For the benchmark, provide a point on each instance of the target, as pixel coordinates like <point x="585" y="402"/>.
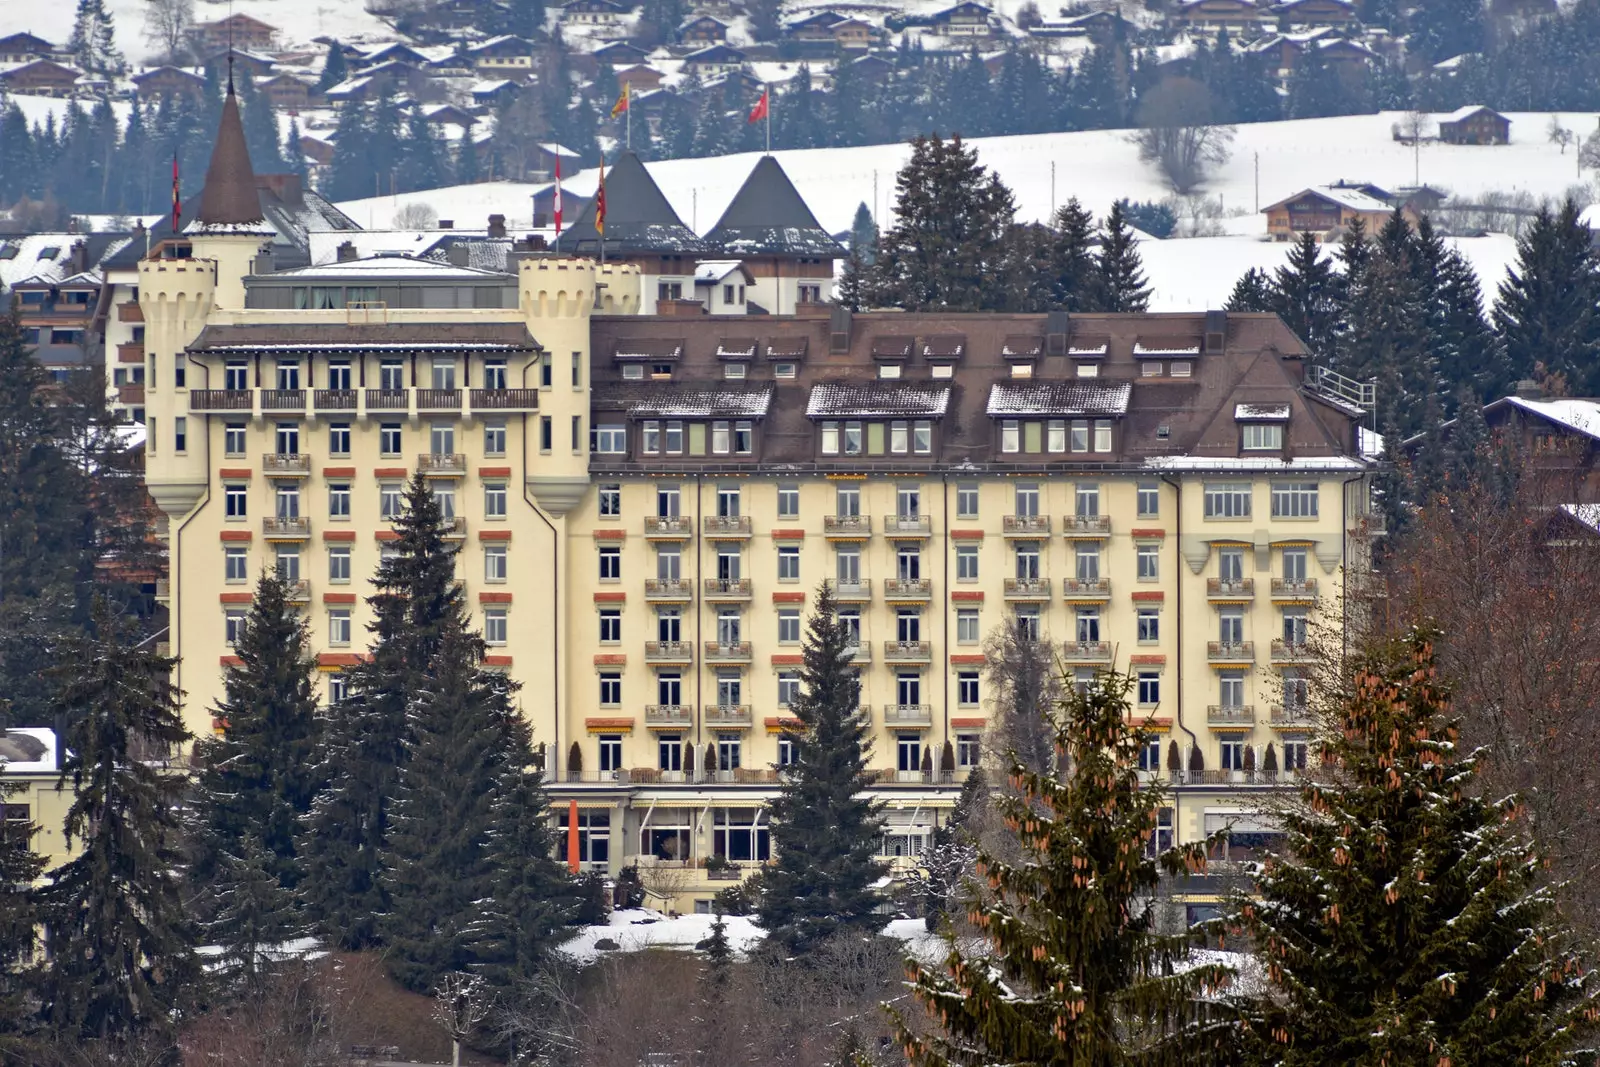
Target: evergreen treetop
<point x="1119" y="276"/>
<point x="1547" y="311"/>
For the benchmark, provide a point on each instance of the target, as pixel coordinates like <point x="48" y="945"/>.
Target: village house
<point x="364" y="58"/>
<point x="703" y="30"/>
<point x="41" y="77"/>
<point x="639" y="79"/>
<point x="606" y="13"/>
<point x="966" y="19"/>
<point x="506" y="56"/>
<point x="1221" y="14"/>
<point x="288" y="93"/>
<point x="496" y="93"/>
<point x="168" y="81"/>
<point x="1313" y="13"/>
<point x="25" y="48"/>
<point x="1475" y="125"/>
<point x="1325" y="211"/>
<point x="717" y="59"/>
<point x="619" y="54"/>
<point x="1098" y="26"/>
<point x="238" y="31"/>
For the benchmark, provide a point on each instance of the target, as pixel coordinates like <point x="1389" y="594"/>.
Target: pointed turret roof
<point x="768" y="218"/>
<point x="638" y="218"/>
<point x="229" y="200"/>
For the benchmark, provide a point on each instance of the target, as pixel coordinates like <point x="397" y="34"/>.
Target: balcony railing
<point x="731" y="652"/>
<point x="386" y="399"/>
<point x="298" y="591"/>
<point x="1231" y="651"/>
<point x="1025" y="525"/>
<point x="859" y="589"/>
<point x="1087" y="652"/>
<point x="1230" y="587"/>
<point x="668" y="715"/>
<point x="726" y="714"/>
<point x="1027" y="588"/>
<point x="283" y="400"/>
<point x="1292" y="715"/>
<point x="130" y="311"/>
<point x="334" y="399"/>
<point x="907" y="524"/>
<point x="668" y="526"/>
<point x="163" y="589"/>
<point x="847" y="524"/>
<point x="130" y="394"/>
<point x="668" y="588"/>
<point x="669" y="651"/>
<point x="861" y="653"/>
<point x="220" y="399"/>
<point x="453" y="529"/>
<point x="1099" y="588"/>
<point x="1092" y="525"/>
<point x="280" y="463"/>
<point x="1291" y="651"/>
<point x="505" y="400"/>
<point x="908" y="588"/>
<point x="446" y="463"/>
<point x="725" y="525"/>
<point x="907" y="652"/>
<point x="273" y="526"/>
<point x="728" y="588"/>
<point x="908" y="715"/>
<point x="1230" y="715"/>
<point x="1283" y="589"/>
<point x="130" y="352"/>
<point x="438" y="399"/>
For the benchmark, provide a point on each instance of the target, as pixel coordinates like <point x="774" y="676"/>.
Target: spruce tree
<point x="864" y="235"/>
<point x="255" y="917"/>
<point x="254" y="778"/>
<point x="1407" y="920"/>
<point x="1074" y="972"/>
<point x="1305" y="295"/>
<point x="334" y="68"/>
<point x="1071" y="278"/>
<point x="718" y="974"/>
<point x="1252" y="292"/>
<point x="824" y="829"/>
<point x="121" y="947"/>
<point x="949" y="859"/>
<point x="20" y="866"/>
<point x="1546" y="312"/>
<point x="1119" y="283"/>
<point x="852" y="283"/>
<point x="363" y="742"/>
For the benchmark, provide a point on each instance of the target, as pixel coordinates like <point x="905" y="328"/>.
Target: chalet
<point x="1221" y="14"/>
<point x="853" y="35"/>
<point x="1420" y="198"/>
<point x="1342" y="52"/>
<point x="285" y="92"/>
<point x="703" y="30"/>
<point x="726" y="10"/>
<point x="258" y="65"/>
<point x="1325" y="211"/>
<point x="594" y="13"/>
<point x="42" y="77"/>
<point x="24" y="48"/>
<point x="237" y="30"/>
<point x="1333" y="13"/>
<point x="717" y="59"/>
<point x="1475" y="125"/>
<point x="966" y="19"/>
<point x="874" y="69"/>
<point x="388" y="80"/>
<point x="387" y="53"/>
<point x="639" y="79"/>
<point x="620" y="54"/>
<point x="449" y="115"/>
<point x="722" y="286"/>
<point x="316" y="149"/>
<point x="745" y="83"/>
<point x="1558" y="437"/>
<point x="818" y="27"/>
<point x="168" y="81"/>
<point x="1285" y="49"/>
<point x="494" y="93"/>
<point x="506" y="56"/>
<point x="1096" y="25"/>
<point x="544" y="159"/>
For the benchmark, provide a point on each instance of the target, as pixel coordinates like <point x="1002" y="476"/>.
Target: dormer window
<point x="1263" y="437"/>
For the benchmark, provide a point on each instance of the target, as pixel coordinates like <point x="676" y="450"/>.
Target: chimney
<point x="679" y="309"/>
<point x="263" y="262"/>
<point x="455" y="253"/>
<point x="1528" y="389"/>
<point x="497" y="225"/>
<point x="447" y="224"/>
<point x="347" y="252"/>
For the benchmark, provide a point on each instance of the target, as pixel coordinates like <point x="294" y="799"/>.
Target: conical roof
<point x="768" y="218"/>
<point x="638" y="218"/>
<point x="229" y="199"/>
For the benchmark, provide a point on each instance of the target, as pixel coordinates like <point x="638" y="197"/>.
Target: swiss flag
<point x="759" y="112"/>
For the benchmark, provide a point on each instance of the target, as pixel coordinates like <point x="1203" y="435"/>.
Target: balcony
<point x="846" y="525"/>
<point x="438" y="400"/>
<point x="220" y="399"/>
<point x="453" y="529"/>
<point x="1087" y="652"/>
<point x="386" y="399"/>
<point x="1283" y="589"/>
<point x="1293" y="715"/>
<point x="442" y="464"/>
<point x="283" y="400"/>
<point x="163" y="589"/>
<point x="908" y="589"/>
<point x="1086" y="526"/>
<point x="1027" y="589"/>
<point x="907" y="525"/>
<point x="680" y="716"/>
<point x="726" y="715"/>
<point x="1025" y="525"/>
<point x="669" y="652"/>
<point x="920" y="715"/>
<point x="731" y="652"/>
<point x="725" y="526"/>
<point x="855" y="591"/>
<point x="505" y="399"/>
<point x="907" y="652"/>
<point x="727" y="589"/>
<point x="130" y="311"/>
<point x="286" y="529"/>
<point x="1230" y="715"/>
<point x="333" y="399"/>
<point x="668" y="589"/>
<point x="1087" y="588"/>
<point x="286" y="465"/>
<point x="298" y="591"/>
<point x="861" y="654"/>
<point x="130" y="394"/>
<point x="130" y="352"/>
<point x="1230" y="652"/>
<point x="668" y="527"/>
<point x="1292" y="651"/>
<point x="1230" y="588"/>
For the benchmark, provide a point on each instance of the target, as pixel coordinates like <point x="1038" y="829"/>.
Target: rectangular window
<point x="1027" y="619"/>
<point x="234" y="498"/>
<point x="721" y="438"/>
<point x="922" y="437"/>
<point x="908" y="502"/>
<point x="1150" y="755"/>
<point x="1230" y="564"/>
<point x="1055" y="438"/>
<point x="966" y="563"/>
<point x="1294" y="565"/>
<point x="1010" y="436"/>
<point x="1088" y="563"/>
<point x="788" y="688"/>
<point x="1232" y="755"/>
<point x="610" y="440"/>
<point x="669" y="563"/>
<point x="727" y="501"/>
<point x="577" y="370"/>
<point x="288" y="439"/>
<point x="649" y="437"/>
<point x="494" y="374"/>
<point x="908" y="753"/>
<point x="442" y="439"/>
<point x="610" y="564"/>
<point x="338" y="626"/>
<point x="744" y="435"/>
<point x="852" y="439"/>
<point x="1230" y="626"/>
<point x="180" y="434"/>
<point x="236" y="377"/>
<point x="610" y="689"/>
<point x="1087" y="501"/>
<point x="389" y="438"/>
<point x="1088" y="629"/>
<point x="494" y="501"/>
<point x="610" y="752"/>
<point x="610" y="501"/>
<point x="180" y="367"/>
<point x="1149" y="559"/>
<point x="788" y="563"/>
<point x="1295" y="626"/>
<point x="287" y="496"/>
<point x="547" y="433"/>
<point x="669" y="752"/>
<point x="1182" y="368"/>
<point x="339" y="438"/>
<point x="1230" y="689"/>
<point x="829" y="440"/>
<point x="1294" y="755"/>
<point x="785" y="370"/>
<point x="610" y="626"/>
<point x="788" y="501"/>
<point x="969" y="750"/>
<point x="288" y="376"/>
<point x="1262" y="436"/>
<point x="235" y="565"/>
<point x="728" y="752"/>
<point x="233" y="438"/>
<point x="788" y="626"/>
<point x="967" y="500"/>
<point x="669" y="625"/>
<point x="1102" y="435"/>
<point x="577" y="433"/>
<point x="494" y="626"/>
<point x="544" y="370"/>
<point x="1149" y="500"/>
<point x="339" y="565"/>
<point x="443" y="373"/>
<point x="232" y="626"/>
<point x="673" y="441"/>
<point x="899" y="438"/>
<point x="1080" y="435"/>
<point x="1227" y="500"/>
<point x="391" y="376"/>
<point x="338" y="500"/>
<point x="1027" y="554"/>
<point x="494" y="563"/>
<point x="1149" y="688"/>
<point x="391" y="499"/>
<point x="494" y="439"/>
<point x="288" y="563"/>
<point x="967" y="693"/>
<point x="1294" y="500"/>
<point x="1149" y="623"/>
<point x="967" y="626"/>
<point x="1027" y="500"/>
<point x="1032" y="437"/>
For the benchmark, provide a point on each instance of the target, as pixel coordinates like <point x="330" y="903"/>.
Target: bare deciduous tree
<point x="166" y="26"/>
<point x="461" y="1005"/>
<point x="1558" y="134"/>
<point x="416" y="216"/>
<point x="1178" y="132"/>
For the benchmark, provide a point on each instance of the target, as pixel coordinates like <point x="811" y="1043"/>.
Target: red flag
<point x="177" y="201"/>
<point x="759" y="112"/>
<point x="557" y="202"/>
<point x="600" y="201"/>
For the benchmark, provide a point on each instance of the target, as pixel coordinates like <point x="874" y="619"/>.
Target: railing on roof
<point x="1332" y="383"/>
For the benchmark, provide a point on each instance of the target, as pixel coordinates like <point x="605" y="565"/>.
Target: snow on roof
<point x="1465" y="112"/>
<point x="392" y="266"/>
<point x="693" y="402"/>
<point x="1255" y="463"/>
<point x="1261" y="412"/>
<point x="1369" y="443"/>
<point x="1582" y="416"/>
<point x="1156" y="347"/>
<point x="1588" y="514"/>
<point x="714" y="270"/>
<point x="1059" y="398"/>
<point x="1080" y="348"/>
<point x="830" y="399"/>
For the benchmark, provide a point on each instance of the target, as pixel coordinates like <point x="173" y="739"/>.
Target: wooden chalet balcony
<point x="333" y="399"/>
<point x="1087" y="652"/>
<point x="286" y="465"/>
<point x="387" y="399"/>
<point x="725" y="526"/>
<point x="1025" y="525"/>
<point x="907" y="526"/>
<point x="286" y="529"/>
<point x="1283" y="589"/>
<point x="851" y="592"/>
<point x="727" y="589"/>
<point x="1087" y="588"/>
<point x="1230" y="715"/>
<point x="130" y="311"/>
<point x="1086" y="526"/>
<point x="1293" y="715"/>
<point x="283" y="400"/>
<point x="732" y="652"/>
<point x="1230" y="588"/>
<point x="668" y="589"/>
<point x="846" y="525"/>
<point x="908" y="588"/>
<point x="1027" y="589"/>
<point x="130" y="394"/>
<point x="442" y="464"/>
<point x="221" y="399"/>
<point x="914" y="715"/>
<point x="675" y="715"/>
<point x="669" y="652"/>
<point x="907" y="652"/>
<point x="438" y="400"/>
<point x="726" y="715"/>
<point x="673" y="527"/>
<point x="505" y="399"/>
<point x="130" y="352"/>
<point x="1291" y="651"/>
<point x="1230" y="652"/>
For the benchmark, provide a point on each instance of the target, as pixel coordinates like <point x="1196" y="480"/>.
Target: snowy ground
<point x="637" y="929"/>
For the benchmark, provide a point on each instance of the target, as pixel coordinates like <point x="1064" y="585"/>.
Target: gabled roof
<point x="1467" y="112"/>
<point x="26" y="40"/>
<point x="767" y="217"/>
<point x="869" y="399"/>
<point x="638" y="217"/>
<point x="146" y="75"/>
<point x="1085" y="398"/>
<point x="1350" y="198"/>
<point x="716" y="53"/>
<point x="676" y="401"/>
<point x="1575" y="414"/>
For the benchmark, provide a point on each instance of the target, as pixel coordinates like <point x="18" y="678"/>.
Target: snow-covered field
<point x="637" y="929"/>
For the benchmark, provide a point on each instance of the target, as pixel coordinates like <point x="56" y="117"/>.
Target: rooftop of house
<point x="767" y="217"/>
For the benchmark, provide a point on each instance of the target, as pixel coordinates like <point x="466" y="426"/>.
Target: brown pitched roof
<point x="229" y="197"/>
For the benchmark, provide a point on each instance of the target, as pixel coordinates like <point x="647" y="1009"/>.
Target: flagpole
<point x="767" y="94"/>
<point x="629" y="113"/>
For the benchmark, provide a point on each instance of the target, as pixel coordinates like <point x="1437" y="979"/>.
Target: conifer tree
<point x="254" y="778"/>
<point x="334" y="68"/>
<point x="1305" y="295"/>
<point x="92" y="43"/>
<point x="1119" y="274"/>
<point x="864" y="235"/>
<point x="824" y="829"/>
<point x="1252" y="292"/>
<point x="949" y="859"/>
<point x="1071" y="279"/>
<point x="852" y="283"/>
<point x="718" y="974"/>
<point x="1407" y="919"/>
<point x="20" y="865"/>
<point x="255" y="916"/>
<point x="1547" y="308"/>
<point x="1074" y="972"/>
<point x="293" y="154"/>
<point x="363" y="741"/>
<point x="121" y="946"/>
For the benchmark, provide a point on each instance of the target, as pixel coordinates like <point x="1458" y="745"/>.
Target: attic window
<point x="734" y="370"/>
<point x="1021" y="346"/>
<point x="739" y="348"/>
<point x="1022" y="370"/>
<point x="787" y="349"/>
<point x="1089" y="348"/>
<point x="784" y="370"/>
<point x="633" y="371"/>
<point x="49" y="252"/>
<point x="946" y="348"/>
<point x="1182" y="368"/>
<point x="943" y="370"/>
<point x="889" y="370"/>
<point x="1262" y="436"/>
<point x="1088" y="370"/>
<point x="893" y="348"/>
